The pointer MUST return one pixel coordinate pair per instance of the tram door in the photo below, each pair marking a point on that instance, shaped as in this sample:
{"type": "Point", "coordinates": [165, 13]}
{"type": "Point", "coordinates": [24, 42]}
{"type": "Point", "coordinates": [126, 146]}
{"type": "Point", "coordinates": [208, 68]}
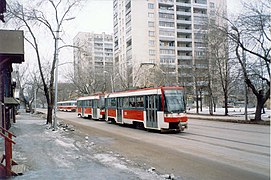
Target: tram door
{"type": "Point", "coordinates": [151, 111]}
{"type": "Point", "coordinates": [94, 109]}
{"type": "Point", "coordinates": [83, 108]}
{"type": "Point", "coordinates": [119, 109]}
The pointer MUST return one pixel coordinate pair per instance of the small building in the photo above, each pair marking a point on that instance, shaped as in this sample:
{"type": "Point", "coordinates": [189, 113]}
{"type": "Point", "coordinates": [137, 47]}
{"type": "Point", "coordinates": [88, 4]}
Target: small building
{"type": "Point", "coordinates": [11, 51]}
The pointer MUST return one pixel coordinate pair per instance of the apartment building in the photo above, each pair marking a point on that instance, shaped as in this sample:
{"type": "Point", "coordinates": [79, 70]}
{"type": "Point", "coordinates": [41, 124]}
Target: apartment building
{"type": "Point", "coordinates": [94, 56]}
{"type": "Point", "coordinates": [167, 35]}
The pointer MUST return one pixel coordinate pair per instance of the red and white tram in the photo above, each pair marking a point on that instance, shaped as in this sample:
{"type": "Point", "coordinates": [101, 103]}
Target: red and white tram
{"type": "Point", "coordinates": [67, 106]}
{"type": "Point", "coordinates": [160, 108]}
{"type": "Point", "coordinates": [91, 107]}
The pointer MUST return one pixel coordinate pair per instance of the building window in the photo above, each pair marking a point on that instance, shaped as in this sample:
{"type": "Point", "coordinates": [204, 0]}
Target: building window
{"type": "Point", "coordinates": [151, 33]}
{"type": "Point", "coordinates": [150, 15]}
{"type": "Point", "coordinates": [167, 51]}
{"type": "Point", "coordinates": [212, 5]}
{"type": "Point", "coordinates": [152, 52]}
{"type": "Point", "coordinates": [150, 5]}
{"type": "Point", "coordinates": [151, 42]}
{"type": "Point", "coordinates": [167, 61]}
{"type": "Point", "coordinates": [212, 12]}
{"type": "Point", "coordinates": [151, 24]}
{"type": "Point", "coordinates": [200, 53]}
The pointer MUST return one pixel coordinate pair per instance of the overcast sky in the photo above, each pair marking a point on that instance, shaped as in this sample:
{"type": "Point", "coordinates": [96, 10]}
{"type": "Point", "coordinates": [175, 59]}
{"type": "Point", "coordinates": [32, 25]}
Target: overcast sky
{"type": "Point", "coordinates": [96, 16]}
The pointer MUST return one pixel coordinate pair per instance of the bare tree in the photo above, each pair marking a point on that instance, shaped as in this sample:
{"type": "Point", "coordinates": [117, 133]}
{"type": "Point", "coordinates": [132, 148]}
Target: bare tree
{"type": "Point", "coordinates": [50, 15]}
{"type": "Point", "coordinates": [249, 33]}
{"type": "Point", "coordinates": [84, 81]}
{"type": "Point", "coordinates": [29, 83]}
{"type": "Point", "coordinates": [220, 64]}
{"type": "Point", "coordinates": [20, 78]}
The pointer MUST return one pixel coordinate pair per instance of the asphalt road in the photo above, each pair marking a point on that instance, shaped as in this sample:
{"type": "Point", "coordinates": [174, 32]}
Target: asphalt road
{"type": "Point", "coordinates": [206, 150]}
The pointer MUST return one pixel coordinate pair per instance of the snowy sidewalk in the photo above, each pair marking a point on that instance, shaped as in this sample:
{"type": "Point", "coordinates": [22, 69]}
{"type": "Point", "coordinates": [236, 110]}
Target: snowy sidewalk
{"type": "Point", "coordinates": [65, 154]}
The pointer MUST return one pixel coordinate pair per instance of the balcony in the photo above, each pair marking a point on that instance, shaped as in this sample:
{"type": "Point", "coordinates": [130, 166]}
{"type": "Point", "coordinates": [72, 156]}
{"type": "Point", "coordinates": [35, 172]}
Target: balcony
{"type": "Point", "coordinates": [184, 66]}
{"type": "Point", "coordinates": [168, 47]}
{"type": "Point", "coordinates": [166, 19]}
{"type": "Point", "coordinates": [184, 48]}
{"type": "Point", "coordinates": [184, 39]}
{"type": "Point", "coordinates": [202, 66]}
{"type": "Point", "coordinates": [200, 6]}
{"type": "Point", "coordinates": [200, 15]}
{"type": "Point", "coordinates": [185, 31]}
{"type": "Point", "coordinates": [185, 75]}
{"type": "Point", "coordinates": [183, 22]}
{"type": "Point", "coordinates": [185, 57]}
{"type": "Point", "coordinates": [183, 4]}
{"type": "Point", "coordinates": [166, 11]}
{"type": "Point", "coordinates": [168, 2]}
{"type": "Point", "coordinates": [171, 56]}
{"type": "Point", "coordinates": [182, 13]}
{"type": "Point", "coordinates": [166, 38]}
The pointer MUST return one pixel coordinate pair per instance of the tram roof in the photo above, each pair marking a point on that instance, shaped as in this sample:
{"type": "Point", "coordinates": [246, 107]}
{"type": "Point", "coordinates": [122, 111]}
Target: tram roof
{"type": "Point", "coordinates": [89, 97]}
{"type": "Point", "coordinates": [140, 92]}
{"type": "Point", "coordinates": [70, 101]}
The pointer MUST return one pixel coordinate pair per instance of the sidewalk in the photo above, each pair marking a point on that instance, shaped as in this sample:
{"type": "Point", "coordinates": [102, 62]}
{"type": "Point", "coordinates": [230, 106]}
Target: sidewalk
{"type": "Point", "coordinates": [67, 154]}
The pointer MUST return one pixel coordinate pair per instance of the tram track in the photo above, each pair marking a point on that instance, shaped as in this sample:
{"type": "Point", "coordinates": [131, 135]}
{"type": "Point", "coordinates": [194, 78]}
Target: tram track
{"type": "Point", "coordinates": [223, 145]}
{"type": "Point", "coordinates": [229, 140]}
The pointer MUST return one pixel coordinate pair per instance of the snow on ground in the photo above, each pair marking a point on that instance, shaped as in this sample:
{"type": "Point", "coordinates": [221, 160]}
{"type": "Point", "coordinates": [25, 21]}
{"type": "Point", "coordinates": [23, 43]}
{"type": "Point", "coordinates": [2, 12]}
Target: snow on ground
{"type": "Point", "coordinates": [65, 154]}
{"type": "Point", "coordinates": [238, 112]}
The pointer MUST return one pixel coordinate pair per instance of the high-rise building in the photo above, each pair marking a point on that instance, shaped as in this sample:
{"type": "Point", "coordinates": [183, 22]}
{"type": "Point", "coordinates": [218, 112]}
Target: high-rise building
{"type": "Point", "coordinates": [93, 57]}
{"type": "Point", "coordinates": [168, 35]}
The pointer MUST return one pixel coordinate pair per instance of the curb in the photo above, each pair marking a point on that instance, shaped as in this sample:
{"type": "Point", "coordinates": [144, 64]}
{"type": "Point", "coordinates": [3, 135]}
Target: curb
{"type": "Point", "coordinates": [227, 119]}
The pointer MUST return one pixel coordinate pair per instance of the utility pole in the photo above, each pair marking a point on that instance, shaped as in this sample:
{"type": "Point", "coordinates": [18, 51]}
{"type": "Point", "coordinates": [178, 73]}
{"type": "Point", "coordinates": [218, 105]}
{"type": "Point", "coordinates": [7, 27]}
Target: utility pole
{"type": "Point", "coordinates": [245, 86]}
{"type": "Point", "coordinates": [56, 77]}
{"type": "Point", "coordinates": [35, 96]}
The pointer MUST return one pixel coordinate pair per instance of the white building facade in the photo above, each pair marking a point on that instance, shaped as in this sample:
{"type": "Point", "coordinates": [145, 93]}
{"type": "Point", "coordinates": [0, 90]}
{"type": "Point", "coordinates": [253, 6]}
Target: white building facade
{"type": "Point", "coordinates": [167, 34]}
{"type": "Point", "coordinates": [93, 56]}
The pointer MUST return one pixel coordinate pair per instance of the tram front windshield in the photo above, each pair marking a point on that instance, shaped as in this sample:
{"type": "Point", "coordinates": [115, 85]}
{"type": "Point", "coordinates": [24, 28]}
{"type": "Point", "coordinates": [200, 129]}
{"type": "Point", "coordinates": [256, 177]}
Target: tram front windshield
{"type": "Point", "coordinates": [174, 101]}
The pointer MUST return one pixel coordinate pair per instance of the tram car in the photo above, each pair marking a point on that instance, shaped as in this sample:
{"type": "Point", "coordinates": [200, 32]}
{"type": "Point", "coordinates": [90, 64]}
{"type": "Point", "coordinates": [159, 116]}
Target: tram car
{"type": "Point", "coordinates": [160, 108]}
{"type": "Point", "coordinates": [91, 107]}
{"type": "Point", "coordinates": [68, 106]}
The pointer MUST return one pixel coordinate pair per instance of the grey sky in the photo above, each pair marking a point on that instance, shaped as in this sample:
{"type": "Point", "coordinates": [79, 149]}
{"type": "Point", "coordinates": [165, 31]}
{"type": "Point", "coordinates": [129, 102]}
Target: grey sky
{"type": "Point", "coordinates": [96, 16]}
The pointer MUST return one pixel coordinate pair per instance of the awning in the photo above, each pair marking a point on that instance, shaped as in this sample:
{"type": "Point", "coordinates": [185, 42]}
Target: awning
{"type": "Point", "coordinates": [11, 101]}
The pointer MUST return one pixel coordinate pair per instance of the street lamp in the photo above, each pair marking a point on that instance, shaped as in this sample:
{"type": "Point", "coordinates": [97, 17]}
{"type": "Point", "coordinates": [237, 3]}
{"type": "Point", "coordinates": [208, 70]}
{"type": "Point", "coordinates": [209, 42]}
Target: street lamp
{"type": "Point", "coordinates": [111, 79]}
{"type": "Point", "coordinates": [56, 77]}
{"type": "Point", "coordinates": [56, 69]}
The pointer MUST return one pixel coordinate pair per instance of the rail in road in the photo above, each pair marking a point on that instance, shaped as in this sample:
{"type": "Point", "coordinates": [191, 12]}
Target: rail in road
{"type": "Point", "coordinates": [244, 146]}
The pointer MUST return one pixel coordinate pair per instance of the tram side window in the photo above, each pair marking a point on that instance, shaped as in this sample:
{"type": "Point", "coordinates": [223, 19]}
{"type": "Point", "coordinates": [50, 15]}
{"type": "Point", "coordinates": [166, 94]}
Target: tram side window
{"type": "Point", "coordinates": [111, 102]}
{"type": "Point", "coordinates": [132, 102]}
{"type": "Point", "coordinates": [125, 102]}
{"type": "Point", "coordinates": [140, 101]}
